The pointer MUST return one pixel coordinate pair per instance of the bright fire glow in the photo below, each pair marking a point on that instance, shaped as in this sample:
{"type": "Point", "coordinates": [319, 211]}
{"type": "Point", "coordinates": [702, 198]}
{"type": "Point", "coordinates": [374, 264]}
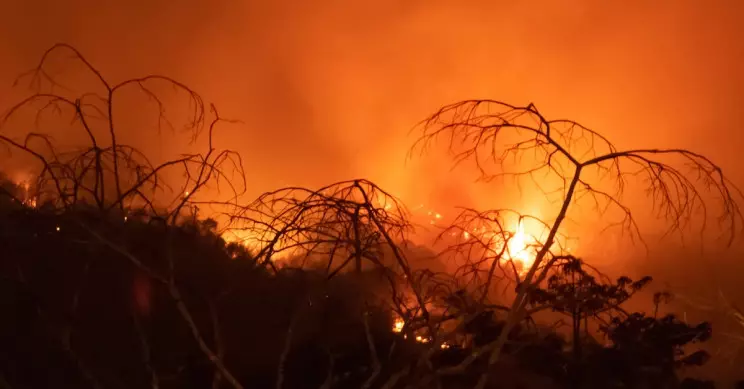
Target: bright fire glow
{"type": "Point", "coordinates": [519, 248]}
{"type": "Point", "coordinates": [27, 198]}
{"type": "Point", "coordinates": [521, 243]}
{"type": "Point", "coordinates": [398, 325]}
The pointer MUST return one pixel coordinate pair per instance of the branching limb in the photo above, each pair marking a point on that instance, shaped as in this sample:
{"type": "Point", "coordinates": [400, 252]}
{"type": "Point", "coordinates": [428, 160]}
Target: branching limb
{"type": "Point", "coordinates": [501, 136]}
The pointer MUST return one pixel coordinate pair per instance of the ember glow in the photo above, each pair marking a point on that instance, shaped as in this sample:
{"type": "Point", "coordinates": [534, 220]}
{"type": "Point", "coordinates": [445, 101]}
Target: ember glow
{"type": "Point", "coordinates": [27, 198]}
{"type": "Point", "coordinates": [398, 325]}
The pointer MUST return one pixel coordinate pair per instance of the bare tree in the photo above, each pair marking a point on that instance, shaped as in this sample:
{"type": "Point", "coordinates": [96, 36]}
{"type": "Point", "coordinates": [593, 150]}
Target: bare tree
{"type": "Point", "coordinates": [68, 179]}
{"type": "Point", "coordinates": [499, 137]}
{"type": "Point", "coordinates": [353, 218]}
{"type": "Point", "coordinates": [69, 176]}
{"type": "Point", "coordinates": [342, 225]}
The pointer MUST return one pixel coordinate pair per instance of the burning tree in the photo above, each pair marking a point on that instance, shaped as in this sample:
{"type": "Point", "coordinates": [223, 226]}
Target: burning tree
{"type": "Point", "coordinates": [497, 137]}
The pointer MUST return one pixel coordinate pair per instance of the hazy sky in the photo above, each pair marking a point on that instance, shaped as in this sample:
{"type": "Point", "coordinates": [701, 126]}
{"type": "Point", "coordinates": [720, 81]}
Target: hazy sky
{"type": "Point", "coordinates": [329, 89]}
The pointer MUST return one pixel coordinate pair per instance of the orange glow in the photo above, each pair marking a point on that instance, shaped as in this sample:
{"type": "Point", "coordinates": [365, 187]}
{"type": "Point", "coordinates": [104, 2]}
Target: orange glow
{"type": "Point", "coordinates": [253, 242]}
{"type": "Point", "coordinates": [325, 99]}
{"type": "Point", "coordinates": [398, 325]}
{"type": "Point", "coordinates": [406, 61]}
{"type": "Point", "coordinates": [26, 197]}
{"type": "Point", "coordinates": [520, 248]}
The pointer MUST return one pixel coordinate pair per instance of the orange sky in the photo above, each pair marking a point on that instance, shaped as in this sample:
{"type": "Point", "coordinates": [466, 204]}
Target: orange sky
{"type": "Point", "coordinates": [329, 89]}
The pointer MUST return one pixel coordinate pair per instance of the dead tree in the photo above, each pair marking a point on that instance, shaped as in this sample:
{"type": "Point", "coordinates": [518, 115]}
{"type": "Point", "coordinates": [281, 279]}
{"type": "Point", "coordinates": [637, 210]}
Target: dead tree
{"type": "Point", "coordinates": [353, 220]}
{"type": "Point", "coordinates": [498, 137]}
{"type": "Point", "coordinates": [344, 225]}
{"type": "Point", "coordinates": [117, 178]}
{"type": "Point", "coordinates": [68, 177]}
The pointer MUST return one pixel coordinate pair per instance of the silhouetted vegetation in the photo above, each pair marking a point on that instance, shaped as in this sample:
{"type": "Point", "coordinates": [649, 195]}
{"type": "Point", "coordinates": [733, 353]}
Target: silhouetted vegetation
{"type": "Point", "coordinates": [112, 277]}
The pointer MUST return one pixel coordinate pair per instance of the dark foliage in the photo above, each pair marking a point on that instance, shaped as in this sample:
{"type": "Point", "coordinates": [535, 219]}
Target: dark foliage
{"type": "Point", "coordinates": [83, 316]}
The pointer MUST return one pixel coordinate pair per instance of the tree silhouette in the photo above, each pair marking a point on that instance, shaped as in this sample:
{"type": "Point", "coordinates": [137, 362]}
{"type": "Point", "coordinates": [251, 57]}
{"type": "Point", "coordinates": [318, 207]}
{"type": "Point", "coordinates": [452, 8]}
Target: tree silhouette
{"type": "Point", "coordinates": [648, 350]}
{"type": "Point", "coordinates": [68, 177]}
{"type": "Point", "coordinates": [571, 290]}
{"type": "Point", "coordinates": [492, 134]}
{"type": "Point", "coordinates": [77, 182]}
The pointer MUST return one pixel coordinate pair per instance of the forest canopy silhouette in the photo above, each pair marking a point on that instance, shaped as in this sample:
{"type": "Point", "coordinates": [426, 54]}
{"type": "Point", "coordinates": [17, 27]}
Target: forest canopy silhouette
{"type": "Point", "coordinates": [121, 272]}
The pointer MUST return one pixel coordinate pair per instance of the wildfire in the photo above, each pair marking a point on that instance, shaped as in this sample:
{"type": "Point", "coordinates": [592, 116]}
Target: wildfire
{"type": "Point", "coordinates": [520, 243]}
{"type": "Point", "coordinates": [398, 328]}
{"type": "Point", "coordinates": [519, 249]}
{"type": "Point", "coordinates": [398, 325]}
{"type": "Point", "coordinates": [27, 198]}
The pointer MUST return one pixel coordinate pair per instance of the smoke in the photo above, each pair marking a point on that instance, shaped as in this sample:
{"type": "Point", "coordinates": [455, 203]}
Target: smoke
{"type": "Point", "coordinates": [329, 90]}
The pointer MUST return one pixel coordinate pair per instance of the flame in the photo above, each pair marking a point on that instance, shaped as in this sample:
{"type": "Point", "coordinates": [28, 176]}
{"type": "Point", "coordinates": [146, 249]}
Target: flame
{"type": "Point", "coordinates": [28, 199]}
{"type": "Point", "coordinates": [519, 249]}
{"type": "Point", "coordinates": [398, 325]}
{"type": "Point", "coordinates": [519, 246]}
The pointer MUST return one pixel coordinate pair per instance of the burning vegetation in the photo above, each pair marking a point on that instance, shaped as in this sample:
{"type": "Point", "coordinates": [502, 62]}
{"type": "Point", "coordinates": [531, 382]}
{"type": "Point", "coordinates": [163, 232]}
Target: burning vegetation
{"type": "Point", "coordinates": [118, 273]}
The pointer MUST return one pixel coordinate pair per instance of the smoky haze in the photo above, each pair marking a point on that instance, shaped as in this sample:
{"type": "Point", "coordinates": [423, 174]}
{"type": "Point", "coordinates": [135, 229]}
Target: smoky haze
{"type": "Point", "coordinates": [328, 90]}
